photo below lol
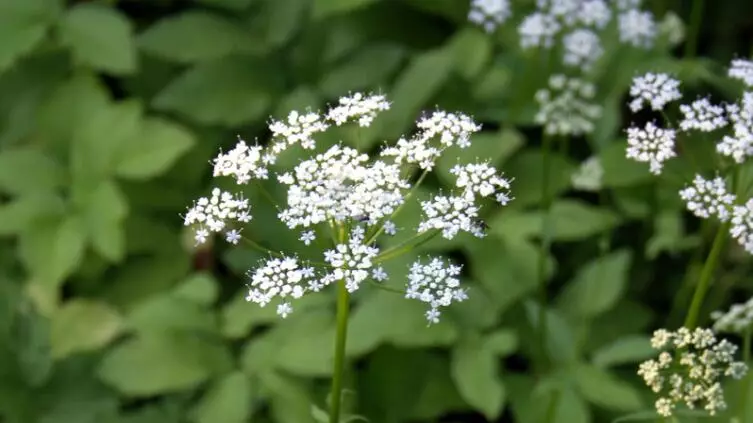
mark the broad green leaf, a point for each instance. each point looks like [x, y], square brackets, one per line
[200, 288]
[475, 371]
[104, 209]
[19, 214]
[26, 171]
[598, 285]
[573, 220]
[23, 24]
[604, 389]
[306, 344]
[161, 363]
[228, 400]
[228, 91]
[51, 250]
[194, 36]
[527, 172]
[367, 68]
[163, 313]
[561, 340]
[472, 50]
[438, 395]
[669, 234]
[325, 8]
[232, 5]
[289, 397]
[100, 37]
[157, 146]
[82, 325]
[502, 342]
[627, 349]
[619, 171]
[142, 277]
[282, 19]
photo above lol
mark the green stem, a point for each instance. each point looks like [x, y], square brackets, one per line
[386, 287]
[743, 404]
[405, 246]
[546, 242]
[706, 273]
[694, 29]
[343, 306]
[371, 238]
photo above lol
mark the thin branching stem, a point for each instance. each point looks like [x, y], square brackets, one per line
[694, 29]
[341, 336]
[372, 237]
[707, 272]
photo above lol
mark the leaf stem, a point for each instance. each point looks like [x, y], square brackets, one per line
[407, 245]
[343, 308]
[743, 404]
[696, 17]
[706, 274]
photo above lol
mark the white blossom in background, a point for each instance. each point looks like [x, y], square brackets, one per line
[538, 30]
[743, 70]
[735, 320]
[637, 28]
[654, 89]
[349, 200]
[701, 115]
[740, 145]
[489, 13]
[437, 284]
[672, 28]
[582, 48]
[589, 175]
[689, 368]
[566, 107]
[652, 145]
[708, 197]
[742, 225]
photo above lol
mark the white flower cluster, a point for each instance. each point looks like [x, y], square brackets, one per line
[736, 320]
[743, 70]
[689, 368]
[566, 108]
[580, 23]
[589, 175]
[489, 13]
[656, 89]
[701, 115]
[706, 198]
[353, 198]
[741, 227]
[652, 145]
[436, 284]
[740, 145]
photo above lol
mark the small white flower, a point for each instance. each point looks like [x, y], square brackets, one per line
[298, 129]
[743, 70]
[279, 277]
[214, 213]
[362, 107]
[307, 237]
[436, 284]
[233, 236]
[242, 162]
[740, 145]
[489, 13]
[389, 228]
[737, 319]
[706, 198]
[703, 116]
[656, 89]
[451, 215]
[351, 261]
[566, 108]
[451, 128]
[589, 175]
[538, 30]
[201, 236]
[284, 309]
[379, 274]
[480, 179]
[582, 48]
[594, 13]
[637, 28]
[742, 225]
[652, 145]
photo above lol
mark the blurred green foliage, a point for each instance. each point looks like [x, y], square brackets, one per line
[109, 113]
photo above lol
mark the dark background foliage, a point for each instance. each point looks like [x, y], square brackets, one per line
[109, 114]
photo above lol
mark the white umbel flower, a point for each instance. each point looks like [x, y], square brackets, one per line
[538, 30]
[213, 214]
[703, 116]
[297, 129]
[360, 107]
[707, 198]
[450, 215]
[652, 145]
[582, 48]
[489, 13]
[689, 369]
[742, 225]
[654, 89]
[637, 28]
[481, 179]
[437, 284]
[739, 146]
[450, 128]
[589, 175]
[743, 70]
[351, 262]
[282, 278]
[737, 319]
[566, 108]
[243, 163]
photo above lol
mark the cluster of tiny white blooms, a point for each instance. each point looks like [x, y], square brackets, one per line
[283, 278]
[589, 175]
[736, 320]
[538, 30]
[437, 284]
[739, 146]
[481, 179]
[362, 107]
[672, 28]
[707, 198]
[213, 214]
[689, 368]
[351, 262]
[742, 225]
[743, 70]
[637, 28]
[243, 163]
[566, 108]
[582, 48]
[489, 13]
[298, 129]
[703, 116]
[652, 145]
[338, 184]
[414, 151]
[451, 214]
[655, 89]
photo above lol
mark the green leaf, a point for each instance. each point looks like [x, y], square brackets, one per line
[602, 388]
[472, 50]
[282, 19]
[157, 146]
[161, 363]
[19, 214]
[669, 234]
[51, 250]
[163, 313]
[200, 288]
[233, 5]
[574, 220]
[194, 36]
[100, 37]
[502, 342]
[526, 169]
[27, 170]
[104, 209]
[82, 325]
[627, 349]
[23, 24]
[326, 8]
[306, 341]
[475, 371]
[228, 401]
[229, 91]
[367, 68]
[619, 171]
[598, 285]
